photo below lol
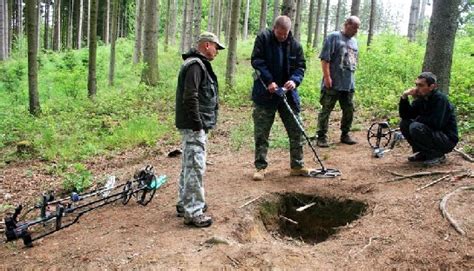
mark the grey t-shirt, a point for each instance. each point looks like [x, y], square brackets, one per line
[342, 53]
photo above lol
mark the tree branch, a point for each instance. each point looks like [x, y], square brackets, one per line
[444, 212]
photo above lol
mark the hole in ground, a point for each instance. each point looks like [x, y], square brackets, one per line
[314, 224]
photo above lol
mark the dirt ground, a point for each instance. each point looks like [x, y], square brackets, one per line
[402, 228]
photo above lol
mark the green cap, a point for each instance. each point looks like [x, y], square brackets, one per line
[208, 36]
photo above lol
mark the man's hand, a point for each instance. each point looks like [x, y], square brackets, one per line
[272, 87]
[409, 92]
[327, 82]
[290, 85]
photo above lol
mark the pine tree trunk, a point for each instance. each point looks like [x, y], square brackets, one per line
[355, 7]
[196, 20]
[338, 14]
[412, 23]
[107, 22]
[115, 4]
[92, 80]
[373, 6]
[88, 22]
[32, 22]
[276, 10]
[46, 24]
[189, 25]
[326, 19]
[232, 50]
[3, 34]
[137, 54]
[246, 20]
[184, 23]
[57, 26]
[218, 25]
[79, 24]
[150, 45]
[421, 17]
[38, 24]
[70, 14]
[317, 25]
[263, 15]
[10, 26]
[167, 27]
[227, 21]
[310, 24]
[288, 8]
[210, 16]
[297, 23]
[173, 19]
[20, 19]
[440, 43]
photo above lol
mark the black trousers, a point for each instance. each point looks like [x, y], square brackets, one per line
[423, 139]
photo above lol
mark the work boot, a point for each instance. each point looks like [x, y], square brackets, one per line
[200, 221]
[417, 157]
[300, 172]
[180, 210]
[346, 139]
[259, 175]
[322, 142]
[435, 161]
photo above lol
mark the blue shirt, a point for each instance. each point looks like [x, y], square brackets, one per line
[342, 53]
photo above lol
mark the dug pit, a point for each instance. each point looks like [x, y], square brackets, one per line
[310, 218]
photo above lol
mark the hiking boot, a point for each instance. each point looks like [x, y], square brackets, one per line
[417, 157]
[180, 210]
[435, 161]
[300, 172]
[322, 142]
[346, 139]
[259, 175]
[200, 221]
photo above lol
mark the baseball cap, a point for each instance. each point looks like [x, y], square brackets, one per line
[208, 36]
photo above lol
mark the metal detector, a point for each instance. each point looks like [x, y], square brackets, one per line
[379, 136]
[55, 215]
[323, 172]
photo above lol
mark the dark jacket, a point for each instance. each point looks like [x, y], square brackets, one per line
[196, 93]
[268, 68]
[434, 110]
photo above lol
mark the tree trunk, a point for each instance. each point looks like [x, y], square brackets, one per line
[167, 28]
[219, 19]
[288, 8]
[338, 16]
[246, 20]
[188, 26]
[20, 19]
[196, 20]
[412, 23]
[210, 16]
[38, 24]
[317, 25]
[276, 9]
[183, 27]
[70, 12]
[310, 24]
[227, 21]
[88, 21]
[32, 22]
[46, 24]
[263, 15]
[232, 50]
[355, 7]
[173, 18]
[79, 24]
[150, 46]
[10, 26]
[57, 26]
[298, 16]
[3, 32]
[421, 17]
[115, 4]
[137, 54]
[326, 19]
[371, 22]
[440, 43]
[107, 22]
[92, 80]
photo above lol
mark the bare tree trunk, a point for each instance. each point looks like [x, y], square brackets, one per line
[288, 8]
[32, 22]
[297, 23]
[137, 54]
[173, 19]
[338, 14]
[412, 23]
[20, 19]
[219, 19]
[440, 43]
[317, 25]
[326, 19]
[88, 22]
[79, 24]
[38, 24]
[183, 27]
[3, 32]
[10, 26]
[276, 10]
[210, 16]
[150, 53]
[167, 28]
[107, 23]
[263, 15]
[310, 24]
[46, 24]
[115, 4]
[371, 22]
[197, 20]
[421, 17]
[189, 25]
[246, 20]
[232, 50]
[92, 80]
[57, 26]
[70, 12]
[227, 21]
[355, 7]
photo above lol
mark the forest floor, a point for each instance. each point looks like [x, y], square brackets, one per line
[400, 227]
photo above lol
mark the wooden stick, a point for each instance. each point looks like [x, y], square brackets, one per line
[464, 155]
[302, 208]
[252, 200]
[421, 174]
[433, 182]
[288, 219]
[395, 173]
[444, 212]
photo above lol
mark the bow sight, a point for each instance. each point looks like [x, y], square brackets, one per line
[379, 136]
[55, 215]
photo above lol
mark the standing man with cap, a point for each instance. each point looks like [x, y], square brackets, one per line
[196, 113]
[338, 61]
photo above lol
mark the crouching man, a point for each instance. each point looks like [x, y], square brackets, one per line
[428, 122]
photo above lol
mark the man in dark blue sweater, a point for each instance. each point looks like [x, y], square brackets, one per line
[429, 122]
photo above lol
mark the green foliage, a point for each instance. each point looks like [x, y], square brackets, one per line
[78, 180]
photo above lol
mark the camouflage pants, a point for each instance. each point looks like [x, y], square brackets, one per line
[193, 166]
[328, 101]
[263, 119]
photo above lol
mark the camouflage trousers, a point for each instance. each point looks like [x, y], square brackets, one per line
[263, 119]
[193, 167]
[328, 101]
